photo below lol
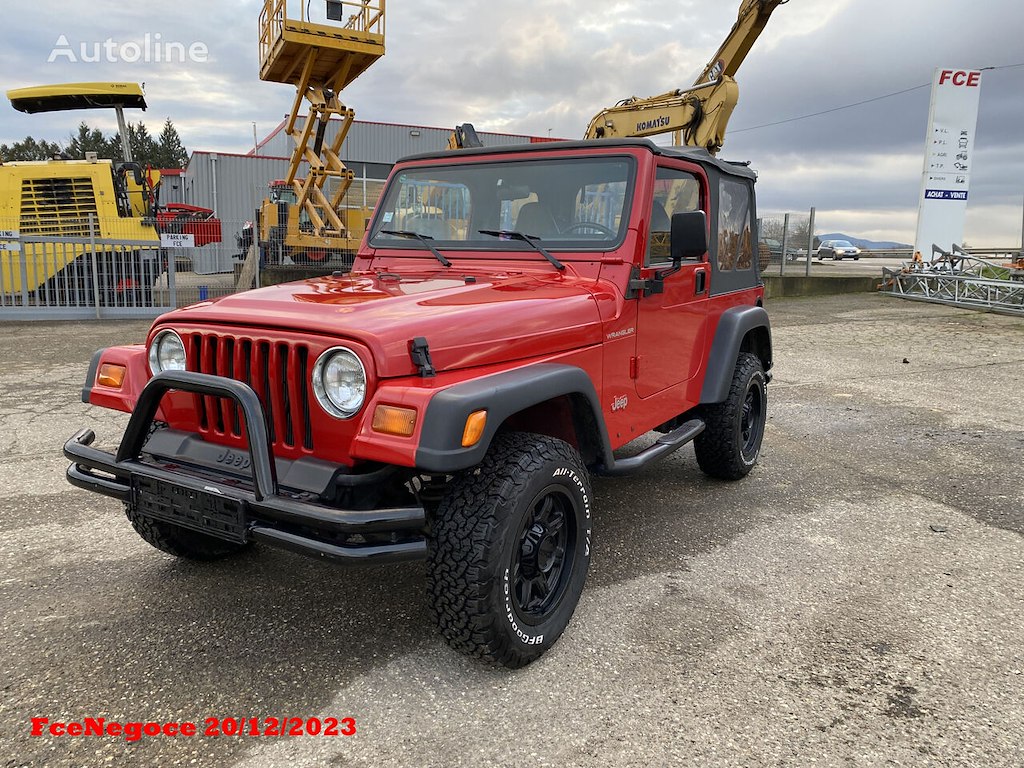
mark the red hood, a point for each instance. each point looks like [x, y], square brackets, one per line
[500, 316]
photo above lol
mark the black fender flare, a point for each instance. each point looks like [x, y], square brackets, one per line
[503, 395]
[90, 375]
[733, 327]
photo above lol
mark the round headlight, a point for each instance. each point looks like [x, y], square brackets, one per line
[166, 353]
[339, 382]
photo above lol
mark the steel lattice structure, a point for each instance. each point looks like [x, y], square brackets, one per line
[959, 279]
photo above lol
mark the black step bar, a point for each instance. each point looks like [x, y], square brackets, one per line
[665, 445]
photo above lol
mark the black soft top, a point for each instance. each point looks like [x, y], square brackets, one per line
[694, 154]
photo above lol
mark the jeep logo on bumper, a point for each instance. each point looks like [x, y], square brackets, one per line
[234, 459]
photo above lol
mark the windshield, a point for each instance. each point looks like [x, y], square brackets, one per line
[564, 204]
[283, 195]
[842, 244]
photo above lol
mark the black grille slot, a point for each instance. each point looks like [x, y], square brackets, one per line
[286, 400]
[214, 403]
[194, 357]
[307, 428]
[229, 371]
[267, 394]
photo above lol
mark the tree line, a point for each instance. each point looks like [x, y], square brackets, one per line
[163, 151]
[772, 227]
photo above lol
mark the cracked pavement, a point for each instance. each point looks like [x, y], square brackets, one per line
[855, 601]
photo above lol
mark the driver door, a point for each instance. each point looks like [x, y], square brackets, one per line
[670, 332]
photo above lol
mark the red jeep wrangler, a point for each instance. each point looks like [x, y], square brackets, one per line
[514, 316]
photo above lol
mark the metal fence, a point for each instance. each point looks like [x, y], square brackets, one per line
[784, 242]
[96, 273]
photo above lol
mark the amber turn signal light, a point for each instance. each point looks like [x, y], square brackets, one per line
[392, 420]
[111, 375]
[474, 430]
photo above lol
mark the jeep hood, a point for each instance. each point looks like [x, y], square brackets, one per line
[468, 318]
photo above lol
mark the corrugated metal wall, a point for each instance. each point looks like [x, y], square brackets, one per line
[234, 185]
[384, 142]
[172, 188]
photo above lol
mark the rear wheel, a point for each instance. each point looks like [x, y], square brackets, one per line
[731, 441]
[509, 550]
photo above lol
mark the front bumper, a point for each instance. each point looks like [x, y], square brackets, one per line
[227, 509]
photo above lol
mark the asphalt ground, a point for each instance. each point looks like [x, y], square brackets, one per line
[855, 601]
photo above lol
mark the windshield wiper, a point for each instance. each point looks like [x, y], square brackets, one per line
[530, 239]
[425, 239]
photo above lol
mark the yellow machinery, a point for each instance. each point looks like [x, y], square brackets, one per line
[697, 115]
[76, 200]
[311, 224]
[464, 137]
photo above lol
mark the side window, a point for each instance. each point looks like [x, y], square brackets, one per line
[735, 248]
[674, 192]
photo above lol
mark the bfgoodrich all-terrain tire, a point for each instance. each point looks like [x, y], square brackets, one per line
[178, 541]
[509, 549]
[731, 441]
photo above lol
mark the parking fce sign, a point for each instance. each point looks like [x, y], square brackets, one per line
[177, 240]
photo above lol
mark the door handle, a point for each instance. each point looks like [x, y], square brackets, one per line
[700, 281]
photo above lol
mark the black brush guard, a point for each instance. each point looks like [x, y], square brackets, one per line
[229, 511]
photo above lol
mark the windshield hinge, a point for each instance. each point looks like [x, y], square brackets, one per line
[419, 351]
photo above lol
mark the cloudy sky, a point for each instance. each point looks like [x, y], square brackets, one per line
[538, 67]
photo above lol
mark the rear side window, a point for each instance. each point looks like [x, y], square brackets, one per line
[735, 247]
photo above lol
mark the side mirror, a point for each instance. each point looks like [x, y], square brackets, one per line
[689, 239]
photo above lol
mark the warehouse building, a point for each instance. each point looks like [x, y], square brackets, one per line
[233, 185]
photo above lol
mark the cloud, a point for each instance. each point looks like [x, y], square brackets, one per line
[538, 67]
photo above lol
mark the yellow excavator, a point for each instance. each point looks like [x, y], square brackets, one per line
[305, 217]
[697, 115]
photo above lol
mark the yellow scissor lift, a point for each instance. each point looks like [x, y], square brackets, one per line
[319, 60]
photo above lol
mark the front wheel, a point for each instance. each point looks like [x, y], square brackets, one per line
[731, 441]
[509, 549]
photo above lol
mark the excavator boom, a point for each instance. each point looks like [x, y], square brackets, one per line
[699, 114]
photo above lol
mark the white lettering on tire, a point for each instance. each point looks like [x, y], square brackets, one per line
[523, 637]
[571, 474]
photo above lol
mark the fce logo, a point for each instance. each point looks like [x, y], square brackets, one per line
[970, 79]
